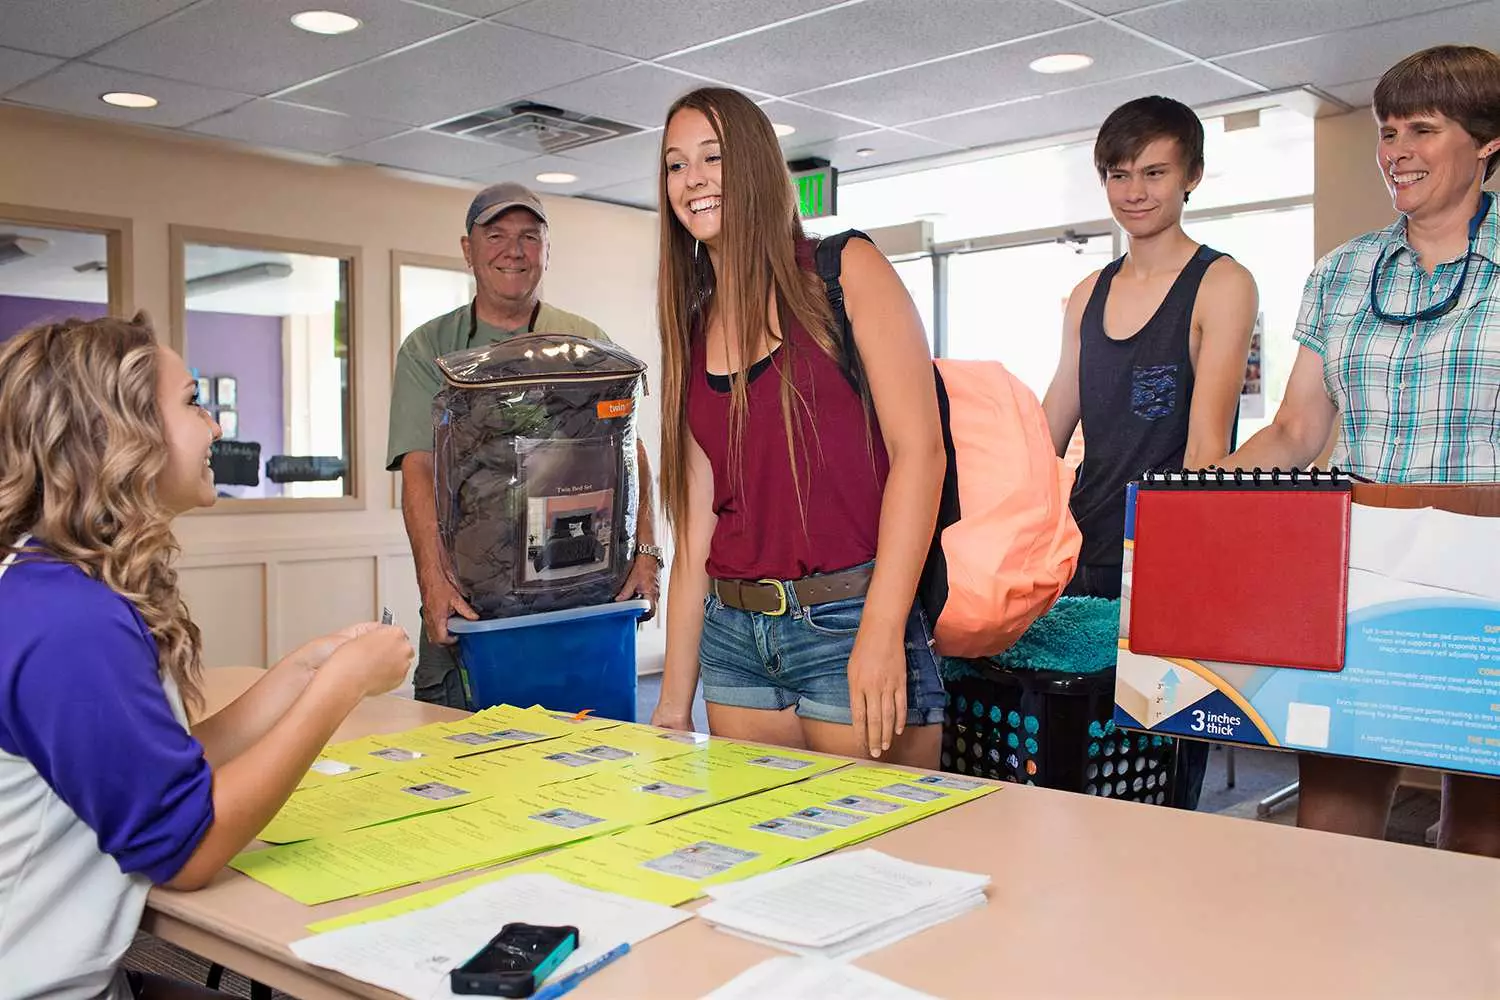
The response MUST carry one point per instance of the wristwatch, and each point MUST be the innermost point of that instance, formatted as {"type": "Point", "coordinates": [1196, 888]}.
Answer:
{"type": "Point", "coordinates": [654, 551]}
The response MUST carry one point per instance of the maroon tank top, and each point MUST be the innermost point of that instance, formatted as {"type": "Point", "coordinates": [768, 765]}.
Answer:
{"type": "Point", "coordinates": [760, 531]}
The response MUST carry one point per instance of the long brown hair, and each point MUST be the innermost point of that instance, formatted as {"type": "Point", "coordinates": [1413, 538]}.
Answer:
{"type": "Point", "coordinates": [81, 446]}
{"type": "Point", "coordinates": [761, 230]}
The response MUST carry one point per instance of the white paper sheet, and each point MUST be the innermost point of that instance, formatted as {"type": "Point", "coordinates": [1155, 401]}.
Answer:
{"type": "Point", "coordinates": [413, 953]}
{"type": "Point", "coordinates": [811, 979]}
{"type": "Point", "coordinates": [844, 904]}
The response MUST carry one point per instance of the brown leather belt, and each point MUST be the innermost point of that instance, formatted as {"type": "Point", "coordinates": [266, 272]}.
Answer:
{"type": "Point", "coordinates": [768, 597]}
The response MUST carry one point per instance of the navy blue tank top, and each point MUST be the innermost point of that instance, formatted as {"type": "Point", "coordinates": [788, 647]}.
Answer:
{"type": "Point", "coordinates": [1134, 396]}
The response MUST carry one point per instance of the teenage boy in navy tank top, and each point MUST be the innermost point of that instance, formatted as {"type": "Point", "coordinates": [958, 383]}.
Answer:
{"type": "Point", "coordinates": [1154, 347]}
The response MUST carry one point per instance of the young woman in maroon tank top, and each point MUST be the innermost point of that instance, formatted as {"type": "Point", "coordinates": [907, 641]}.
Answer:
{"type": "Point", "coordinates": [780, 481]}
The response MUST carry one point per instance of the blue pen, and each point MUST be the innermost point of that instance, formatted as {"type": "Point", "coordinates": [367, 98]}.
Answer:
{"type": "Point", "coordinates": [578, 975]}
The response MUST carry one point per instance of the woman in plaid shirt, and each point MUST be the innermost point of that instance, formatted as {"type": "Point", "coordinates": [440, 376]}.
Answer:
{"type": "Point", "coordinates": [1400, 344]}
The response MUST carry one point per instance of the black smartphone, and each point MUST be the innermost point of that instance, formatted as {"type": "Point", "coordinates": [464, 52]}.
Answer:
{"type": "Point", "coordinates": [515, 962]}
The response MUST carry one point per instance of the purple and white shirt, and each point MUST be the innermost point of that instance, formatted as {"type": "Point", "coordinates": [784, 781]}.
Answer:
{"type": "Point", "coordinates": [103, 790]}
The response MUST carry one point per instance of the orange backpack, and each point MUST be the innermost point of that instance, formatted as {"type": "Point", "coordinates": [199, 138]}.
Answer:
{"type": "Point", "coordinates": [1006, 543]}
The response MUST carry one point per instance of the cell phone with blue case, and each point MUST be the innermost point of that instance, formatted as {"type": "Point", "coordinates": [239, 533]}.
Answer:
{"type": "Point", "coordinates": [515, 962]}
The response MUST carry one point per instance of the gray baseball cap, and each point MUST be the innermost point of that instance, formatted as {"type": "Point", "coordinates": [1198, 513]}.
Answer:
{"type": "Point", "coordinates": [495, 199]}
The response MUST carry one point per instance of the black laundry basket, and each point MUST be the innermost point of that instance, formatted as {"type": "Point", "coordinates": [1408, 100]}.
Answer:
{"type": "Point", "coordinates": [1054, 730]}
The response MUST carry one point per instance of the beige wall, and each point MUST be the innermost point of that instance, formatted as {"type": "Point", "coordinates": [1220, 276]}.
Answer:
{"type": "Point", "coordinates": [259, 584]}
{"type": "Point", "coordinates": [1350, 197]}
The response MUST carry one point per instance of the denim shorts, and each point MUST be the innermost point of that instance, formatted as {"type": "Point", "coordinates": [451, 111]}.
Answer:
{"type": "Point", "coordinates": [754, 660]}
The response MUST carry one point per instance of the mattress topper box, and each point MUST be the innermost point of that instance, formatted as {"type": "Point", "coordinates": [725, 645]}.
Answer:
{"type": "Point", "coordinates": [1420, 685]}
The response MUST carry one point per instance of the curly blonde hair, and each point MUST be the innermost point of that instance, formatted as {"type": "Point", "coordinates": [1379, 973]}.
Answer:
{"type": "Point", "coordinates": [81, 446]}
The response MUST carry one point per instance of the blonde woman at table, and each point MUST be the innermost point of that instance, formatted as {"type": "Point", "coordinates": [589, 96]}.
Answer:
{"type": "Point", "coordinates": [106, 787]}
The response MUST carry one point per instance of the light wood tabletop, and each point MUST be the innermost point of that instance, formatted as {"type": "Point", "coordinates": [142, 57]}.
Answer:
{"type": "Point", "coordinates": [1090, 898]}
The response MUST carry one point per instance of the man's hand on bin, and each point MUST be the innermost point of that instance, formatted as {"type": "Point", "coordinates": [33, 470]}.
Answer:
{"type": "Point", "coordinates": [441, 600]}
{"type": "Point", "coordinates": [644, 581]}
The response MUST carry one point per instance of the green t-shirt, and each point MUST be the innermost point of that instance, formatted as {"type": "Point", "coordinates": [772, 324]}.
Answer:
{"type": "Point", "coordinates": [418, 380]}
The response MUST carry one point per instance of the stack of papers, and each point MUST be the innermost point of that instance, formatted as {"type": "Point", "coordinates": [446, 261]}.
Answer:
{"type": "Point", "coordinates": [811, 979]}
{"type": "Point", "coordinates": [843, 906]}
{"type": "Point", "coordinates": [412, 954]}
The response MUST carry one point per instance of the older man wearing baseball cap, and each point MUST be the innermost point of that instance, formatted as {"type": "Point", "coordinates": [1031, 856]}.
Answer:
{"type": "Point", "coordinates": [505, 245]}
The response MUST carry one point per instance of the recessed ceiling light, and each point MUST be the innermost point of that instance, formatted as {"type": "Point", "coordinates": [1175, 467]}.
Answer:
{"type": "Point", "coordinates": [556, 177]}
{"type": "Point", "coordinates": [865, 151]}
{"type": "Point", "coordinates": [125, 99]}
{"type": "Point", "coordinates": [1063, 62]}
{"type": "Point", "coordinates": [782, 131]}
{"type": "Point", "coordinates": [325, 22]}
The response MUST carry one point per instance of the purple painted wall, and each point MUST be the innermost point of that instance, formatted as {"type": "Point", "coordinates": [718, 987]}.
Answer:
{"type": "Point", "coordinates": [248, 348]}
{"type": "Point", "coordinates": [245, 347]}
{"type": "Point", "coordinates": [18, 313]}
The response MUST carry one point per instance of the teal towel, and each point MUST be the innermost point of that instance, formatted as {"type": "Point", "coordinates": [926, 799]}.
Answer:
{"type": "Point", "coordinates": [1078, 636]}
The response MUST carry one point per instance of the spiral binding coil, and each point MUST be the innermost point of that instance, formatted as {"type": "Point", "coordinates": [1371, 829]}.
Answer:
{"type": "Point", "coordinates": [1215, 478]}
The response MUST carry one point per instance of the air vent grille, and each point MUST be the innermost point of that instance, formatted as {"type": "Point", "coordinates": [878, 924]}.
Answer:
{"type": "Point", "coordinates": [536, 128]}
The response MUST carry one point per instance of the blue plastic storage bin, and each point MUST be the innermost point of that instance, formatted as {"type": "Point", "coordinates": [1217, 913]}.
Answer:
{"type": "Point", "coordinates": [582, 658]}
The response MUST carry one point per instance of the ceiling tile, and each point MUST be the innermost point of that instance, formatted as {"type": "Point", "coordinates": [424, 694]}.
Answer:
{"type": "Point", "coordinates": [812, 125]}
{"type": "Point", "coordinates": [637, 194]}
{"type": "Point", "coordinates": [992, 76]}
{"type": "Point", "coordinates": [251, 45]}
{"type": "Point", "coordinates": [1363, 52]}
{"type": "Point", "coordinates": [1077, 110]}
{"type": "Point", "coordinates": [435, 153]}
{"type": "Point", "coordinates": [76, 88]}
{"type": "Point", "coordinates": [272, 123]}
{"type": "Point", "coordinates": [651, 28]}
{"type": "Point", "coordinates": [885, 147]}
{"type": "Point", "coordinates": [868, 38]}
{"type": "Point", "coordinates": [1358, 94]}
{"type": "Point", "coordinates": [1216, 27]}
{"type": "Point", "coordinates": [470, 70]}
{"type": "Point", "coordinates": [637, 95]}
{"type": "Point", "coordinates": [73, 27]}
{"type": "Point", "coordinates": [590, 175]}
{"type": "Point", "coordinates": [1115, 6]}
{"type": "Point", "coordinates": [18, 67]}
{"type": "Point", "coordinates": [637, 154]}
{"type": "Point", "coordinates": [475, 8]}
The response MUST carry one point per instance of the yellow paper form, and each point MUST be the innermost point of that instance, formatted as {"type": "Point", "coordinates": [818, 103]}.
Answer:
{"type": "Point", "coordinates": [671, 861]}
{"type": "Point", "coordinates": [494, 729]}
{"type": "Point", "coordinates": [497, 728]}
{"type": "Point", "coordinates": [381, 798]}
{"type": "Point", "coordinates": [417, 849]}
{"type": "Point", "coordinates": [636, 794]}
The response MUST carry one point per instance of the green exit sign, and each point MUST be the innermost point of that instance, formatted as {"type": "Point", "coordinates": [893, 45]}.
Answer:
{"type": "Point", "coordinates": [817, 188]}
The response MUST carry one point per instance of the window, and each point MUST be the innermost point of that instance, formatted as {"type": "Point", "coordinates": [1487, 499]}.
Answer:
{"type": "Point", "coordinates": [1276, 246]}
{"type": "Point", "coordinates": [916, 273]}
{"type": "Point", "coordinates": [1007, 304]}
{"type": "Point", "coordinates": [268, 324]}
{"type": "Point", "coordinates": [1015, 192]}
{"type": "Point", "coordinates": [427, 287]}
{"type": "Point", "coordinates": [56, 266]}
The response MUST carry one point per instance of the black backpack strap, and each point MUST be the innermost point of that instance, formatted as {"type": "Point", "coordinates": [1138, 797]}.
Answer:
{"type": "Point", "coordinates": [829, 260]}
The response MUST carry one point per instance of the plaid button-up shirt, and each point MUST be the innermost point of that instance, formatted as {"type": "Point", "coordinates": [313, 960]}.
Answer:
{"type": "Point", "coordinates": [1419, 402]}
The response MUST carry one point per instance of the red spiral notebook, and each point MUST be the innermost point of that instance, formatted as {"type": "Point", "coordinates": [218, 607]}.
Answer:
{"type": "Point", "coordinates": [1249, 568]}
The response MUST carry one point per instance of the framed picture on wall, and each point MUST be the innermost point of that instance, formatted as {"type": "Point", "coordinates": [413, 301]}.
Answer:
{"type": "Point", "coordinates": [229, 423]}
{"type": "Point", "coordinates": [226, 391]}
{"type": "Point", "coordinates": [205, 390]}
